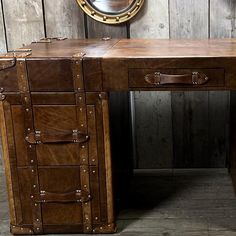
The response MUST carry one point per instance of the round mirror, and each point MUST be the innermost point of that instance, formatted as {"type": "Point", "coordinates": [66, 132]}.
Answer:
{"type": "Point", "coordinates": [111, 6]}
{"type": "Point", "coordinates": [111, 11]}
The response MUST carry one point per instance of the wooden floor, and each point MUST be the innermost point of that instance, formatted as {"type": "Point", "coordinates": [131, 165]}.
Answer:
{"type": "Point", "coordinates": [165, 203]}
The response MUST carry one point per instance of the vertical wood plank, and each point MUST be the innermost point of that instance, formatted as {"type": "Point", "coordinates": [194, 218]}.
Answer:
{"type": "Point", "coordinates": [152, 21]}
{"type": "Point", "coordinates": [24, 21]}
{"type": "Point", "coordinates": [64, 19]}
{"type": "Point", "coordinates": [222, 18]}
{"type": "Point", "coordinates": [189, 19]}
{"type": "Point", "coordinates": [2, 32]}
{"type": "Point", "coordinates": [222, 22]}
{"type": "Point", "coordinates": [100, 30]}
{"type": "Point", "coordinates": [153, 119]}
{"type": "Point", "coordinates": [153, 130]}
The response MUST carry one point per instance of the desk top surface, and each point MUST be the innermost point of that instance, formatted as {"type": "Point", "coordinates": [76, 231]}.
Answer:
{"type": "Point", "coordinates": [136, 48]}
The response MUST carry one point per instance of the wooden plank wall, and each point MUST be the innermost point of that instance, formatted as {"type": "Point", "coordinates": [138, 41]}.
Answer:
{"type": "Point", "coordinates": [182, 129]}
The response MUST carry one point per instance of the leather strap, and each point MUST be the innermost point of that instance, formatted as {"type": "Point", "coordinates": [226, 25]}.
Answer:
{"type": "Point", "coordinates": [39, 137]}
{"type": "Point", "coordinates": [31, 149]}
{"type": "Point", "coordinates": [76, 196]}
{"type": "Point", "coordinates": [77, 67]}
{"type": "Point", "coordinates": [195, 78]}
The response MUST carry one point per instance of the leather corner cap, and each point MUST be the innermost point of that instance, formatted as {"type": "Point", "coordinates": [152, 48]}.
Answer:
{"type": "Point", "coordinates": [5, 63]}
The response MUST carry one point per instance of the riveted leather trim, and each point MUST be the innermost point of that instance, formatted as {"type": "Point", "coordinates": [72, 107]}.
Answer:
{"type": "Point", "coordinates": [2, 95]}
{"type": "Point", "coordinates": [23, 84]}
{"type": "Point", "coordinates": [105, 229]}
{"type": "Point", "coordinates": [21, 230]}
{"type": "Point", "coordinates": [77, 68]}
{"type": "Point", "coordinates": [81, 113]}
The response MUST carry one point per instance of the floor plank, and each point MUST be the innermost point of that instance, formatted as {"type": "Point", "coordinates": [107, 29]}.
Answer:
{"type": "Point", "coordinates": [168, 203]}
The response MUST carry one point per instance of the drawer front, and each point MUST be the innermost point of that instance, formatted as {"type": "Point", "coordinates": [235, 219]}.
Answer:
{"type": "Point", "coordinates": [190, 78]}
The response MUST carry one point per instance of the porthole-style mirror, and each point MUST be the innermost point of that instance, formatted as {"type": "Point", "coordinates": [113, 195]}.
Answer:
{"type": "Point", "coordinates": [111, 11]}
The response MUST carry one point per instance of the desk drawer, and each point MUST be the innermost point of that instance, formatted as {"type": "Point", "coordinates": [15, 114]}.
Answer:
{"type": "Point", "coordinates": [158, 78]}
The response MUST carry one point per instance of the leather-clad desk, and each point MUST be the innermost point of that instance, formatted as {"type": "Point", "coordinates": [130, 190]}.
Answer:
{"type": "Point", "coordinates": [54, 86]}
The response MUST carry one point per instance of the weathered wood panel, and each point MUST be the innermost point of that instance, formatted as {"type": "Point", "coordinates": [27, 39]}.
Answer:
{"type": "Point", "coordinates": [222, 18]}
{"type": "Point", "coordinates": [99, 30]}
{"type": "Point", "coordinates": [2, 32]}
{"type": "Point", "coordinates": [222, 25]}
{"type": "Point", "coordinates": [24, 22]}
{"type": "Point", "coordinates": [153, 130]}
{"type": "Point", "coordinates": [64, 19]}
{"type": "Point", "coordinates": [153, 124]}
{"type": "Point", "coordinates": [189, 19]}
{"type": "Point", "coordinates": [152, 21]}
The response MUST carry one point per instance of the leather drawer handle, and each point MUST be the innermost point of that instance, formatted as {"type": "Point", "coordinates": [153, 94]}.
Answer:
{"type": "Point", "coordinates": [75, 196]}
{"type": "Point", "coordinates": [195, 78]}
{"type": "Point", "coordinates": [39, 137]}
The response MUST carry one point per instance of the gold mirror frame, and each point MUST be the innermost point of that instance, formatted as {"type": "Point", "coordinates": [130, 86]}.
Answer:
{"type": "Point", "coordinates": [110, 18]}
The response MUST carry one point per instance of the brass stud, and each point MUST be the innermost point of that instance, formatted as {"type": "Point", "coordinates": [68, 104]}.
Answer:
{"type": "Point", "coordinates": [93, 13]}
{"type": "Point", "coordinates": [27, 109]}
